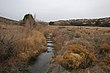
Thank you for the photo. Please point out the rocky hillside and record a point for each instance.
(103, 22)
(9, 21)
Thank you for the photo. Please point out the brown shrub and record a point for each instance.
(76, 56)
(32, 45)
(16, 47)
(105, 46)
(104, 49)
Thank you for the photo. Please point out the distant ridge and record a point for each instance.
(9, 21)
(103, 22)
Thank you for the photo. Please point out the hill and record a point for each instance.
(103, 22)
(9, 21)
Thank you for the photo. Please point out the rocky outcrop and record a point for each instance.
(29, 21)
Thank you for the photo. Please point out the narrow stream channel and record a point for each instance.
(42, 61)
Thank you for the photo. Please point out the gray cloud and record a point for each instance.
(55, 9)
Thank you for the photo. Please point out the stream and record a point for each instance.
(41, 63)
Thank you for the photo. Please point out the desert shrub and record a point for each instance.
(104, 49)
(77, 35)
(51, 23)
(32, 45)
(105, 46)
(16, 47)
(7, 47)
(76, 56)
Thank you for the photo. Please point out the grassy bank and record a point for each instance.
(80, 49)
(17, 45)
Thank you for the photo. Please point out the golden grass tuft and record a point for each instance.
(105, 46)
(104, 49)
(76, 56)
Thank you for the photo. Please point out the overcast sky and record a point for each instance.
(48, 10)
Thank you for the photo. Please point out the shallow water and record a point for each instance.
(42, 61)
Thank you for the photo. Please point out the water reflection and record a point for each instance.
(41, 62)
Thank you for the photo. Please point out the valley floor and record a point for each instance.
(77, 49)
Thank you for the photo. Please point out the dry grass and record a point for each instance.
(17, 47)
(83, 48)
(77, 56)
